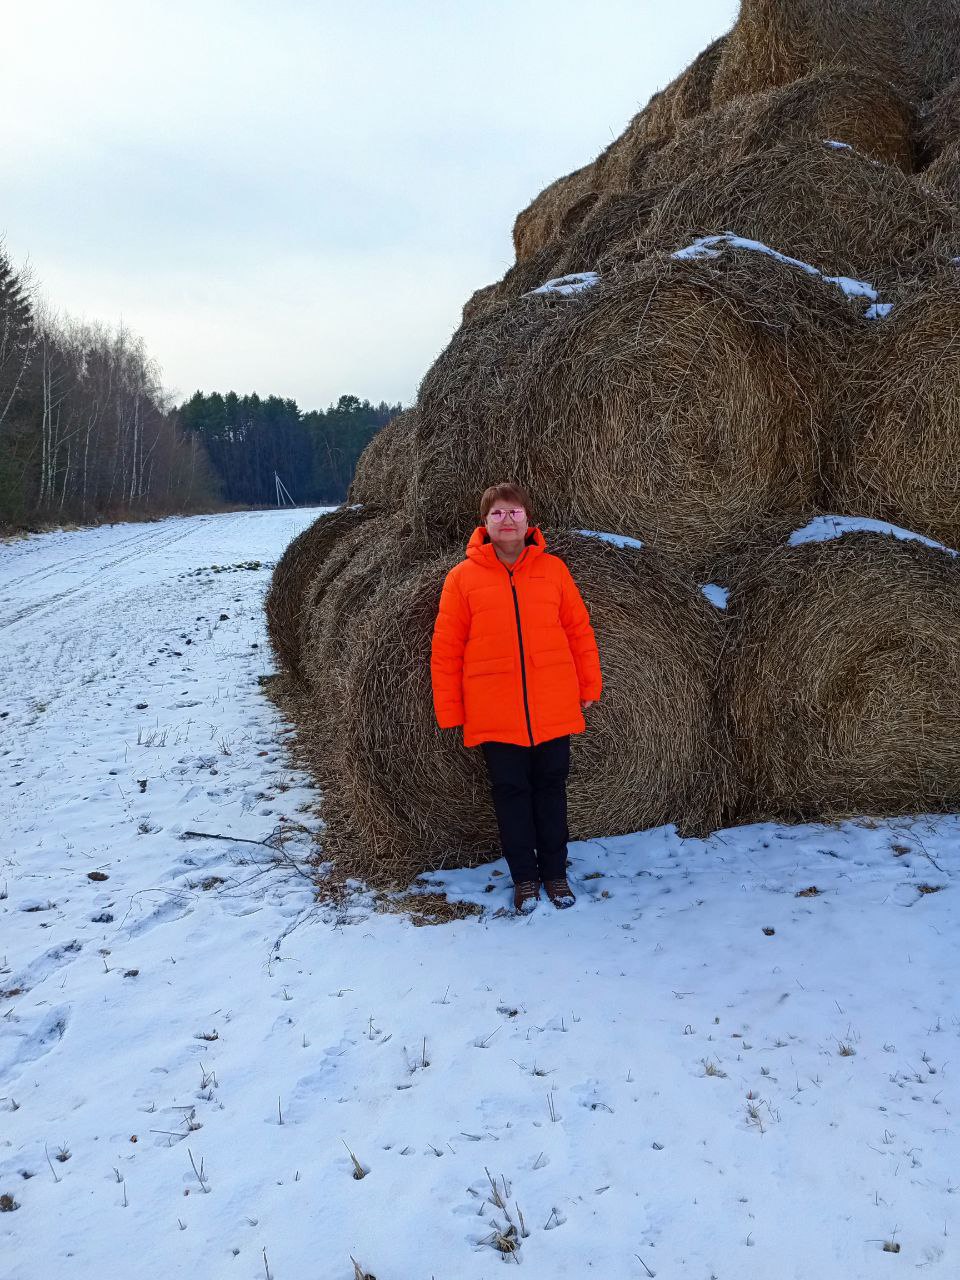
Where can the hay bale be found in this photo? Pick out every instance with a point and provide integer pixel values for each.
(469, 434)
(369, 559)
(400, 796)
(847, 106)
(561, 207)
(828, 206)
(841, 675)
(302, 559)
(897, 458)
(382, 470)
(617, 224)
(943, 175)
(775, 42)
(940, 121)
(682, 402)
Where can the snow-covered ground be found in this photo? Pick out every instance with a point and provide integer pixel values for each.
(707, 1068)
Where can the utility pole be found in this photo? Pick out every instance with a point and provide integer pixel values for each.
(283, 493)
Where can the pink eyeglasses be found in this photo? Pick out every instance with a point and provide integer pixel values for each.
(516, 513)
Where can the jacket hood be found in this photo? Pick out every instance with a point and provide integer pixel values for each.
(480, 549)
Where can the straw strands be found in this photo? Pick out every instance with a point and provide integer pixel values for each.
(380, 477)
(847, 106)
(558, 210)
(943, 175)
(400, 795)
(898, 454)
(682, 402)
(303, 558)
(833, 208)
(940, 121)
(775, 42)
(842, 679)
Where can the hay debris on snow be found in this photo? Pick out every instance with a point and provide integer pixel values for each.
(842, 678)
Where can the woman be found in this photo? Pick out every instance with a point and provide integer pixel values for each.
(514, 661)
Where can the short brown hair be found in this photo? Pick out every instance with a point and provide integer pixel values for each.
(505, 493)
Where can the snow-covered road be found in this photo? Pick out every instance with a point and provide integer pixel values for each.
(707, 1068)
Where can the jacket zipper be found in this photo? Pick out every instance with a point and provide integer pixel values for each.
(523, 667)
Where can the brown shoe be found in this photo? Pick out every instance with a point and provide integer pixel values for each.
(526, 895)
(559, 893)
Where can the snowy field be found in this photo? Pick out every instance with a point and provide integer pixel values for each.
(733, 1059)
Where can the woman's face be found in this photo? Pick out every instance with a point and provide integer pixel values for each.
(506, 524)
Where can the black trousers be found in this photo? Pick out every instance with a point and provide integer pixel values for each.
(529, 786)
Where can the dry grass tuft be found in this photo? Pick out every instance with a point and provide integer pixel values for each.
(842, 679)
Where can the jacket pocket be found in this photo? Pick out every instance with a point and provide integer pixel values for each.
(553, 658)
(487, 666)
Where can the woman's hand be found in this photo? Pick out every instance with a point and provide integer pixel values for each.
(591, 703)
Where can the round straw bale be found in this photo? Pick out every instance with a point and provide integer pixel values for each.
(560, 208)
(898, 453)
(687, 96)
(683, 401)
(848, 106)
(400, 796)
(542, 219)
(364, 562)
(469, 434)
(943, 175)
(835, 209)
(940, 121)
(775, 42)
(295, 569)
(382, 471)
(841, 676)
(615, 223)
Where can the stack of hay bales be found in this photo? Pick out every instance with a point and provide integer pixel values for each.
(739, 316)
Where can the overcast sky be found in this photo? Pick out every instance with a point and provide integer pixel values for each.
(297, 196)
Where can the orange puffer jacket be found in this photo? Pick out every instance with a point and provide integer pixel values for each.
(513, 651)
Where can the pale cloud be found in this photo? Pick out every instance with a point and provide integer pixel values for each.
(298, 197)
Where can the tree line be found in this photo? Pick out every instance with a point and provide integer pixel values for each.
(87, 432)
(251, 440)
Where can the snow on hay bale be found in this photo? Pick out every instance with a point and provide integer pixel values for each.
(853, 107)
(774, 42)
(843, 213)
(841, 675)
(303, 558)
(380, 478)
(898, 454)
(560, 207)
(400, 796)
(680, 401)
